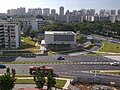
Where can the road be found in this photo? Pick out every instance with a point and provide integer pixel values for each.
(63, 68)
(53, 58)
(74, 64)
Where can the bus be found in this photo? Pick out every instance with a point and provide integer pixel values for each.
(32, 69)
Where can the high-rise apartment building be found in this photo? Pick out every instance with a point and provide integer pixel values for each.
(113, 12)
(34, 11)
(12, 12)
(107, 12)
(61, 11)
(74, 12)
(38, 11)
(88, 12)
(2, 33)
(102, 12)
(92, 12)
(10, 35)
(83, 12)
(53, 12)
(8, 12)
(118, 12)
(46, 11)
(19, 11)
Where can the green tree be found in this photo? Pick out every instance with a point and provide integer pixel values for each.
(40, 38)
(7, 82)
(33, 33)
(39, 79)
(13, 72)
(51, 81)
(8, 70)
(27, 31)
(40, 17)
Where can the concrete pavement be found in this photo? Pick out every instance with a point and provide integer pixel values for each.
(65, 86)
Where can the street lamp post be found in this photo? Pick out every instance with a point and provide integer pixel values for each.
(95, 70)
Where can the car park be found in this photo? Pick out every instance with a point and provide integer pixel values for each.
(2, 66)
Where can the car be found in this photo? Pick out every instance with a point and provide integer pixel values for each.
(55, 75)
(60, 58)
(2, 66)
(114, 63)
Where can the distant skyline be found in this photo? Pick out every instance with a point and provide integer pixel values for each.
(55, 4)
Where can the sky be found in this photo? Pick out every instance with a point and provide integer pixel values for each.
(55, 4)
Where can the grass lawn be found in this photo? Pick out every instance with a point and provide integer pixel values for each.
(34, 63)
(30, 45)
(111, 71)
(59, 83)
(28, 41)
(25, 81)
(69, 51)
(100, 54)
(21, 76)
(116, 72)
(110, 47)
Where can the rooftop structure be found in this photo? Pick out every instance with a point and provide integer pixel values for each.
(60, 37)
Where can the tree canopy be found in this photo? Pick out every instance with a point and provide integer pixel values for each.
(7, 82)
(103, 28)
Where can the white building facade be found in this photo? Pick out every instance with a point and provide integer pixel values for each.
(60, 37)
(10, 35)
(38, 23)
(46, 11)
(2, 39)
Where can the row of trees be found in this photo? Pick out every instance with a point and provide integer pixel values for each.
(100, 28)
(7, 81)
(30, 32)
(39, 78)
(103, 28)
(33, 34)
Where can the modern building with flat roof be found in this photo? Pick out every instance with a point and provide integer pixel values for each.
(60, 37)
(58, 41)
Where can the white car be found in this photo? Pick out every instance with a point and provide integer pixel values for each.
(114, 63)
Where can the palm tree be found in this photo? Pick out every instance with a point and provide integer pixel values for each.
(7, 82)
(51, 81)
(39, 79)
(8, 70)
(13, 72)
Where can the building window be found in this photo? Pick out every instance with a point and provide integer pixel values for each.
(63, 37)
(12, 30)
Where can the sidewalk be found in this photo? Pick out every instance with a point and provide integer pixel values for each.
(64, 88)
(107, 53)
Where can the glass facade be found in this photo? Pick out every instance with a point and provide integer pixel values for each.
(63, 37)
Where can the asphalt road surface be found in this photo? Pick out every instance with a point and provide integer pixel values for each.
(75, 66)
(62, 69)
(53, 58)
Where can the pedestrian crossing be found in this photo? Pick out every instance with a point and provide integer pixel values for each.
(68, 72)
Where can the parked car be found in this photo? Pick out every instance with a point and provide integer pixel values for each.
(2, 66)
(60, 58)
(114, 63)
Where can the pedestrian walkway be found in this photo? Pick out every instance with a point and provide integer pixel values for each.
(114, 57)
(107, 53)
(65, 86)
